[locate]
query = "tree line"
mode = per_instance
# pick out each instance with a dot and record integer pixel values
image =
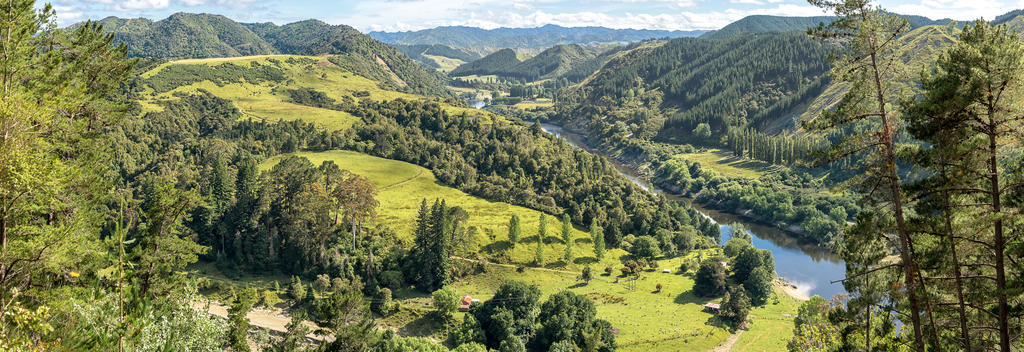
(948, 227)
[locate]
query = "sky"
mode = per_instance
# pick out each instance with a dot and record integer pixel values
(404, 15)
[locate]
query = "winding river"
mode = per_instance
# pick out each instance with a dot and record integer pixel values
(807, 266)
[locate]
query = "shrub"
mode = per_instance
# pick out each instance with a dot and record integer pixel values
(446, 301)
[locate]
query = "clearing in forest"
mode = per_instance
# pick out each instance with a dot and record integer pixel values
(726, 164)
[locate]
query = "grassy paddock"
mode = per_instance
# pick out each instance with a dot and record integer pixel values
(726, 164)
(402, 186)
(269, 100)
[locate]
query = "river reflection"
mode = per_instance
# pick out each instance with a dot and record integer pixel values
(808, 266)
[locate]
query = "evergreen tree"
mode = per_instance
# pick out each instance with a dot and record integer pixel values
(970, 116)
(598, 237)
(735, 306)
(239, 321)
(869, 63)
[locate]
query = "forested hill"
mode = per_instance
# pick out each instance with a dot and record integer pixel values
(779, 24)
(186, 35)
(552, 62)
(742, 81)
(767, 24)
(524, 38)
(432, 55)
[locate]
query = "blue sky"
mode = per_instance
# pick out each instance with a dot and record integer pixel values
(400, 15)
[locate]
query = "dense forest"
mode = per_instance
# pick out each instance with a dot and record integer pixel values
(552, 62)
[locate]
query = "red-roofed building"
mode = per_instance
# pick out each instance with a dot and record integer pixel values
(464, 303)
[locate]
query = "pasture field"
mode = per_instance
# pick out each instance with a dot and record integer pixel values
(670, 320)
(402, 186)
(727, 164)
(446, 63)
(269, 100)
(533, 104)
(647, 319)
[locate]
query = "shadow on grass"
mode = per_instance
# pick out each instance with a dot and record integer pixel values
(497, 246)
(423, 326)
(585, 260)
(584, 240)
(578, 285)
(555, 265)
(689, 298)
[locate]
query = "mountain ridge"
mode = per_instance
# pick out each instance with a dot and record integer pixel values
(200, 35)
(524, 38)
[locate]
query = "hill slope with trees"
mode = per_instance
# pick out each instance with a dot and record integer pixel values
(185, 35)
(524, 38)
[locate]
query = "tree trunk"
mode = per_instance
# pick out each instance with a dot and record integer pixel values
(999, 245)
(897, 203)
(962, 307)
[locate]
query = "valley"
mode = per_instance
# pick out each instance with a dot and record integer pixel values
(417, 176)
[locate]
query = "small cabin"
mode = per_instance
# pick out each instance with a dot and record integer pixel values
(465, 302)
(666, 271)
(713, 308)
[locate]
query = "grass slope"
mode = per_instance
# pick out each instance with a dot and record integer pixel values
(268, 99)
(726, 164)
(402, 186)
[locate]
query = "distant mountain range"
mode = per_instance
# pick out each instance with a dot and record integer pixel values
(524, 38)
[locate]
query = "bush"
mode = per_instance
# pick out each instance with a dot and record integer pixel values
(296, 290)
(269, 299)
(392, 279)
(322, 283)
(710, 279)
(384, 305)
(646, 247)
(446, 301)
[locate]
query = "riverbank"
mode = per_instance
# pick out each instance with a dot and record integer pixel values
(807, 267)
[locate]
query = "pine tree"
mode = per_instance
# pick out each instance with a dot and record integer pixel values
(871, 66)
(970, 115)
(598, 237)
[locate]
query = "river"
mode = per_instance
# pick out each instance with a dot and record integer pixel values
(808, 266)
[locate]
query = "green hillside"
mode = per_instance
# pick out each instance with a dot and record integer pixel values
(550, 63)
(185, 35)
(767, 24)
(437, 56)
(501, 61)
(745, 81)
(525, 38)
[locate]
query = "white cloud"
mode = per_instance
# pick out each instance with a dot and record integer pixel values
(135, 5)
(67, 14)
(963, 10)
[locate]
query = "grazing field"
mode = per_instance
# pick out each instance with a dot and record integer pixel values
(533, 104)
(446, 63)
(269, 100)
(726, 164)
(670, 320)
(402, 186)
